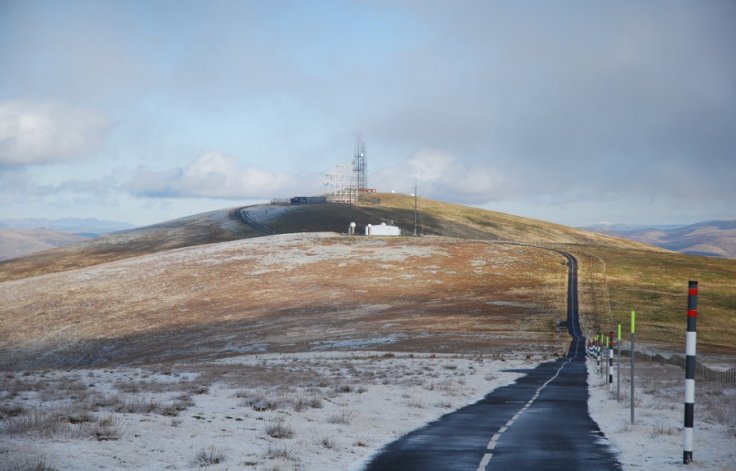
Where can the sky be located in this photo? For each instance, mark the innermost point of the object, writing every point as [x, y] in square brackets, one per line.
[576, 112]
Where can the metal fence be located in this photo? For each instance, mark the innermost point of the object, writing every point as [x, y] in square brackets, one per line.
[702, 372]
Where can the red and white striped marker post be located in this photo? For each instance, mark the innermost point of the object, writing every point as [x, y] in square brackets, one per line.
[690, 341]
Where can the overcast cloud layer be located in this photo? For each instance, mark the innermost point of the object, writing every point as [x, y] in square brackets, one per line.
[573, 111]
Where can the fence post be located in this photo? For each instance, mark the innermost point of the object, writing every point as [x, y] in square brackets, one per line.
[690, 342]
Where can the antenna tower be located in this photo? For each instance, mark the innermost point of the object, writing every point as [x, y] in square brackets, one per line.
[360, 165]
[340, 184]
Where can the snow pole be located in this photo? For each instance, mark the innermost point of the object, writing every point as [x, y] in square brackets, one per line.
[601, 355]
[633, 335]
[609, 340]
[618, 364]
[605, 359]
[690, 342]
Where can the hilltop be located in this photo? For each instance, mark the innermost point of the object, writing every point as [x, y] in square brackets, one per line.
[434, 218]
[197, 283]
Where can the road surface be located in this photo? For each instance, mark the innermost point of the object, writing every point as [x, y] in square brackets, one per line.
[540, 422]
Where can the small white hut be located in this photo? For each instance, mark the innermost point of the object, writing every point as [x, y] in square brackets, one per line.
[382, 230]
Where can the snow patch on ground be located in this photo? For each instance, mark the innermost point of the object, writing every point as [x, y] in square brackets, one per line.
[655, 440]
[351, 405]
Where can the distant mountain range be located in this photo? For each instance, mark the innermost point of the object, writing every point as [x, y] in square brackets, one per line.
[709, 238]
[20, 237]
[88, 226]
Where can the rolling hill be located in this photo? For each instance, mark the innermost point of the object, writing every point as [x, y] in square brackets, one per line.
[434, 218]
[710, 238]
[19, 242]
[282, 278]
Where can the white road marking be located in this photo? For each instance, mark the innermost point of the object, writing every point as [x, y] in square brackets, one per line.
[484, 462]
[572, 304]
[492, 443]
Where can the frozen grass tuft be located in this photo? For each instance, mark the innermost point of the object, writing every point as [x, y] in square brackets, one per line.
[344, 417]
[57, 423]
[327, 442]
[35, 465]
[209, 457]
[303, 402]
[279, 430]
[279, 451]
[658, 430]
[138, 406]
[43, 424]
[107, 429]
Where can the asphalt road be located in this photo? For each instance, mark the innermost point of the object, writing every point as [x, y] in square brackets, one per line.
[540, 422]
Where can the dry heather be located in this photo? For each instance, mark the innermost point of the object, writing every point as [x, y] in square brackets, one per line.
[614, 281]
[288, 293]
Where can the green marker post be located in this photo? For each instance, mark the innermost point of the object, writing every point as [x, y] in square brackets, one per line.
[633, 336]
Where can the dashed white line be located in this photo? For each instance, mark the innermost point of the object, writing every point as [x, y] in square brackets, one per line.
[494, 439]
[484, 462]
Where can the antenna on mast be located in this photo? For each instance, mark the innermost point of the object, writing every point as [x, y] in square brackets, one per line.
[360, 165]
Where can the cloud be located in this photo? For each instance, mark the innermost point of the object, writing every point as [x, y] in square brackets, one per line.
[212, 175]
[440, 174]
[571, 102]
[38, 132]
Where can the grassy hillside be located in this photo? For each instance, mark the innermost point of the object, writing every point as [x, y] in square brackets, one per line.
[437, 218]
[219, 226]
[289, 293]
[19, 242]
[654, 284]
[616, 275]
[205, 228]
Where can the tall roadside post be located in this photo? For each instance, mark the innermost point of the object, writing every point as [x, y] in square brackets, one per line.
[633, 335]
[610, 341]
[690, 342]
[601, 355]
[618, 364]
[605, 358]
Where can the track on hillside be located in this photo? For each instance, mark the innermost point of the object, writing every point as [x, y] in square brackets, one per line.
[540, 422]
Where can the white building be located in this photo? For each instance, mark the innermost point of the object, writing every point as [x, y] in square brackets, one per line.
[382, 230]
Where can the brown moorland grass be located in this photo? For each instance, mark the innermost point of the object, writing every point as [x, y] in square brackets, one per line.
[435, 218]
[288, 293]
[654, 284]
[184, 298]
[205, 228]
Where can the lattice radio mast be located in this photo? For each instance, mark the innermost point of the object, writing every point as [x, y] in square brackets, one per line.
[360, 165]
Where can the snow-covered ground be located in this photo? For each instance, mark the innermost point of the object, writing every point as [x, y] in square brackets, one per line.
[307, 411]
[654, 441]
[314, 411]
